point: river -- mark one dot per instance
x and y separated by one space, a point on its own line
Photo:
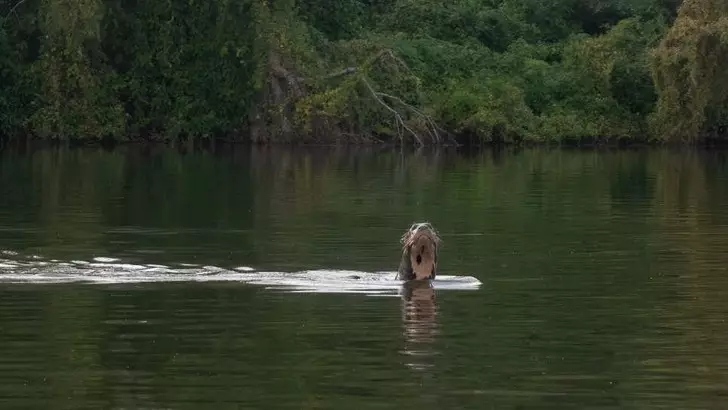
262 277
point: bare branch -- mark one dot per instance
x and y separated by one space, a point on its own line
433 132
397 116
11 11
395 63
347 70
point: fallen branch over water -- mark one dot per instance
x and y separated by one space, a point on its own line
382 98
397 117
336 109
433 127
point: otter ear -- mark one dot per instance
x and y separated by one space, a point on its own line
407 233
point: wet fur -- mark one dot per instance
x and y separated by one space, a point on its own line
420 248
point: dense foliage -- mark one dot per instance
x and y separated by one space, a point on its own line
691 71
354 70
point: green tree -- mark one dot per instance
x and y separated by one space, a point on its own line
353 70
689 72
604 88
77 98
18 48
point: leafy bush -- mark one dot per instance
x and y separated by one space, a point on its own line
493 70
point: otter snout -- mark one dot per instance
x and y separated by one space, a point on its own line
422 257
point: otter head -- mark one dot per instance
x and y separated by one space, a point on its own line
420 245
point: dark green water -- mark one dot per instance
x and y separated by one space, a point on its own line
604 279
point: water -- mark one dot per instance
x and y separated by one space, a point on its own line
148 278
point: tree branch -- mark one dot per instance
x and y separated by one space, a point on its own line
11 11
347 70
433 133
397 116
429 124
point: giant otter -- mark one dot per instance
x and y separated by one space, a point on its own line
420 245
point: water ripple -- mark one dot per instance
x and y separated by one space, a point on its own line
108 270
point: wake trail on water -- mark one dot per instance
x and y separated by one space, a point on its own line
33 269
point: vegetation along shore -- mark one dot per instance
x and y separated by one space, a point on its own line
358 71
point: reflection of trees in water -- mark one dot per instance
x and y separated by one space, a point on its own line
419 318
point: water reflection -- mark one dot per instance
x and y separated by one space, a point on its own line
419 319
604 278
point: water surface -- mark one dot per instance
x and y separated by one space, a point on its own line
602 277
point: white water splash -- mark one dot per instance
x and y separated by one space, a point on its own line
103 270
104 259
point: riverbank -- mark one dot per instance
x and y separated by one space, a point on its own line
25 145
